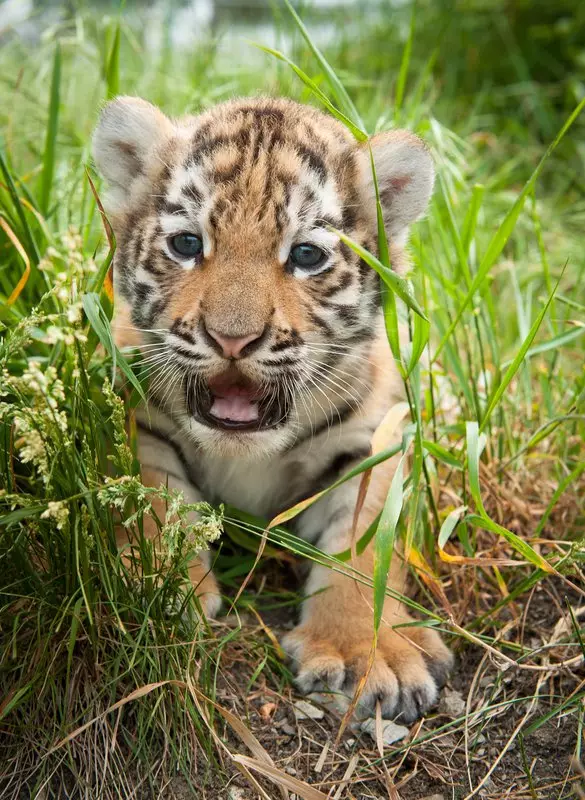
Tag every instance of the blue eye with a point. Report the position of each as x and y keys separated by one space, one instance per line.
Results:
x=186 y=245
x=306 y=256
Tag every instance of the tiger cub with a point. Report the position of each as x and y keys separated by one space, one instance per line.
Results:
x=276 y=368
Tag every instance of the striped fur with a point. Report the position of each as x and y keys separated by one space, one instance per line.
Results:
x=254 y=178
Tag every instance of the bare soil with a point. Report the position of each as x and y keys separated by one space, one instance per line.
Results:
x=477 y=743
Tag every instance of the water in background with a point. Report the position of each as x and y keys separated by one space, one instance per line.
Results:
x=181 y=23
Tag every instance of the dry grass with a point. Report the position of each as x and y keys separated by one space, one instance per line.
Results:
x=105 y=692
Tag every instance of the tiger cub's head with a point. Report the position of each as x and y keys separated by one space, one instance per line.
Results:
x=256 y=318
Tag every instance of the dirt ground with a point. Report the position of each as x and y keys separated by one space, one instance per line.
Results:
x=477 y=743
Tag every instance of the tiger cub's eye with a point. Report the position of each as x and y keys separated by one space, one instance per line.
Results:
x=306 y=256
x=186 y=245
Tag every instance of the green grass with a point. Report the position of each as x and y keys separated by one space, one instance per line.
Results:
x=496 y=440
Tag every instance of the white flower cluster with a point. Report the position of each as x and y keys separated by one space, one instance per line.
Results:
x=57 y=510
x=68 y=268
x=194 y=524
x=186 y=526
x=40 y=424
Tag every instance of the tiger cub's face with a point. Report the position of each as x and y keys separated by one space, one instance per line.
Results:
x=257 y=318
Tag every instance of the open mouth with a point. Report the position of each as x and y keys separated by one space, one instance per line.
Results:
x=232 y=402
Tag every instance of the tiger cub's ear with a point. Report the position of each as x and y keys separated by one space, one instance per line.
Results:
x=405 y=174
x=127 y=134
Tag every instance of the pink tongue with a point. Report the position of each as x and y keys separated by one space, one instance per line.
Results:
x=237 y=408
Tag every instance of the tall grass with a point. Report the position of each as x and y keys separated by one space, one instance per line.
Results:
x=492 y=372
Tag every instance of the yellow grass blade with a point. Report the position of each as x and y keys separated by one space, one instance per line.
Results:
x=22 y=253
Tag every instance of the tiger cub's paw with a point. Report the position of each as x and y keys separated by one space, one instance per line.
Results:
x=206 y=588
x=408 y=671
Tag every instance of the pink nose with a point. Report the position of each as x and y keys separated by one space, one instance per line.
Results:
x=232 y=346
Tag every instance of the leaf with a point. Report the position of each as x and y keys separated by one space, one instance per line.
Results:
x=560 y=490
x=100 y=324
x=404 y=63
x=295 y=510
x=442 y=454
x=337 y=87
x=447 y=529
x=368 y=463
x=449 y=526
x=20 y=513
x=385 y=540
x=552 y=344
x=483 y=520
x=51 y=134
x=113 y=65
x=359 y=134
x=33 y=247
x=428 y=576
x=470 y=221
x=420 y=339
x=15 y=294
x=361 y=543
x=388 y=296
x=518 y=359
x=104 y=275
x=142 y=691
x=397 y=284
x=504 y=231
x=13 y=700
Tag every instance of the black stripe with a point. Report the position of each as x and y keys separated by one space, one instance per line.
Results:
x=361 y=335
x=149 y=264
x=275 y=348
x=320 y=323
x=187 y=353
x=162 y=436
x=349 y=255
x=166 y=207
x=344 y=282
x=293 y=340
x=349 y=314
x=282 y=362
x=339 y=416
x=267 y=112
x=180 y=328
x=228 y=174
x=193 y=195
x=206 y=148
x=349 y=218
x=313 y=160
x=142 y=292
x=340 y=464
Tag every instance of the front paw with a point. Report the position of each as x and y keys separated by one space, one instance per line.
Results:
x=206 y=588
x=408 y=670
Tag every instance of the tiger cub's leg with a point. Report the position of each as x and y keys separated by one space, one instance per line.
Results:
x=160 y=465
x=331 y=645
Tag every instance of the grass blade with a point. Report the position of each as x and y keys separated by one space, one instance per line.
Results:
x=338 y=89
x=359 y=134
x=559 y=491
x=519 y=358
x=474 y=448
x=552 y=344
x=398 y=285
x=368 y=463
x=32 y=244
x=51 y=134
x=505 y=229
x=14 y=295
x=385 y=540
x=113 y=65
x=99 y=322
x=404 y=64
